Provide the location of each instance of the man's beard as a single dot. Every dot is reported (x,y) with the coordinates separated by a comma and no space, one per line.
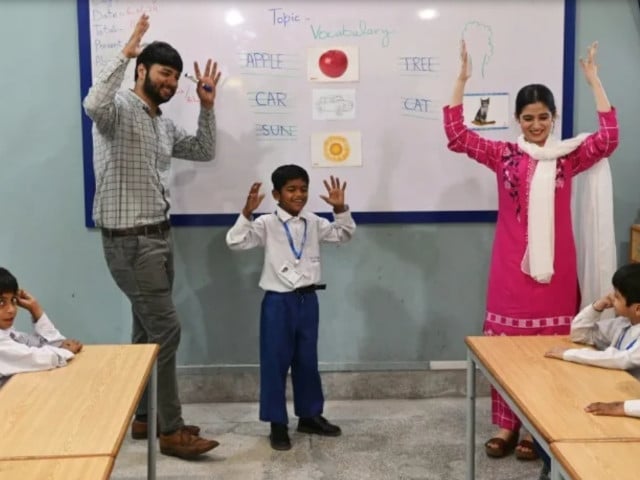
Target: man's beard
(152,91)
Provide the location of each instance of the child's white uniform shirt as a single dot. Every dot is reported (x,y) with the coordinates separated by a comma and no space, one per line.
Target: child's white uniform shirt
(619,338)
(28,352)
(632,408)
(269,231)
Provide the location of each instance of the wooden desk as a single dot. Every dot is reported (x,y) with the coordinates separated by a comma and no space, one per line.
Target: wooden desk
(78,468)
(83,409)
(599,460)
(548,395)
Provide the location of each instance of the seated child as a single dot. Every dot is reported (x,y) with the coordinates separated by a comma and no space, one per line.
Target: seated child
(616,340)
(289,315)
(20,352)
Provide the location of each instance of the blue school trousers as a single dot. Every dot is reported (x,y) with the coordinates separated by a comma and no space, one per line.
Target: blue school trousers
(289,338)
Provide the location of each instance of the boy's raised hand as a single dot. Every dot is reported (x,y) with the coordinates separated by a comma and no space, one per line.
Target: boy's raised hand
(29,302)
(253,200)
(335,196)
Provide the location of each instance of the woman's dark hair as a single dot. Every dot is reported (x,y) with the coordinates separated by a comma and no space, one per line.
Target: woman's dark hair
(532,94)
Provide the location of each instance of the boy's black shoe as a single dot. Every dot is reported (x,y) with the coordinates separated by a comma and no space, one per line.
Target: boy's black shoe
(279,437)
(318,425)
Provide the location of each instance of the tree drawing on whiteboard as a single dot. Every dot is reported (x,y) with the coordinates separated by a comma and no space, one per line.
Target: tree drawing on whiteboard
(479,39)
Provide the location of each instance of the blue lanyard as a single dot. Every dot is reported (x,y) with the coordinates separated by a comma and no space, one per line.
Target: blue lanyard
(619,342)
(296,253)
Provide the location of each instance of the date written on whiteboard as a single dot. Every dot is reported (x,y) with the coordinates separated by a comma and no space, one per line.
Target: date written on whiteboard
(281,18)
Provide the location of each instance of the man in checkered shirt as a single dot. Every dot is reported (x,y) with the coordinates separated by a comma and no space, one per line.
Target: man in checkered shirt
(133,147)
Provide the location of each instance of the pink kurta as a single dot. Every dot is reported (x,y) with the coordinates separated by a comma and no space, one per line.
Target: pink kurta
(517,304)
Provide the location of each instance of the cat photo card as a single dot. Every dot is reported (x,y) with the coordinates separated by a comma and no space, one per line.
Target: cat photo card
(486,111)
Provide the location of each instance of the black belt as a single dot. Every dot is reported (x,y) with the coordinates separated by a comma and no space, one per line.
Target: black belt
(310,288)
(139,230)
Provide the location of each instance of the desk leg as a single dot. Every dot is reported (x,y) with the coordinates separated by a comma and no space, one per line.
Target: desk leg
(555,470)
(471,418)
(152,422)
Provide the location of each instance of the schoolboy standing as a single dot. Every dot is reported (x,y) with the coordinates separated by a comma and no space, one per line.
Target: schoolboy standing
(289,313)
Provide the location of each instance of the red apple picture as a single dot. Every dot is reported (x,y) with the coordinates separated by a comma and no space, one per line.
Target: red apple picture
(333,63)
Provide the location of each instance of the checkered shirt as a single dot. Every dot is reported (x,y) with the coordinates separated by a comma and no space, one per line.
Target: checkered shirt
(132,151)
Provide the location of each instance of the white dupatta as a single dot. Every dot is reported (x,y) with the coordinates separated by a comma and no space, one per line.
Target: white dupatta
(593,199)
(594,232)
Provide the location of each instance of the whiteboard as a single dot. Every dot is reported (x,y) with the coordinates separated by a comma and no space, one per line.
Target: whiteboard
(279,101)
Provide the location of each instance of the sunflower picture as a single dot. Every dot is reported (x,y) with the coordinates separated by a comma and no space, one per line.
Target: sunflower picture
(336,149)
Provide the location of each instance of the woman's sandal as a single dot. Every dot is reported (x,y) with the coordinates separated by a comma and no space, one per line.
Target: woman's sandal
(497,447)
(525,450)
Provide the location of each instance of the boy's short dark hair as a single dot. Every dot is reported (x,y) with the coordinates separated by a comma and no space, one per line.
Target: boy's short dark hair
(627,281)
(8,283)
(160,53)
(285,173)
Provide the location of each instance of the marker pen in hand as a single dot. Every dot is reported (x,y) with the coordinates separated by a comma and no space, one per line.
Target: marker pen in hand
(206,87)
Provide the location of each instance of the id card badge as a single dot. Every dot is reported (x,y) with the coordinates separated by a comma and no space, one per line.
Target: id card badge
(289,275)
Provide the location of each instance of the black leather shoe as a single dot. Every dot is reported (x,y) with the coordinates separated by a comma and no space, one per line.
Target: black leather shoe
(318,425)
(279,437)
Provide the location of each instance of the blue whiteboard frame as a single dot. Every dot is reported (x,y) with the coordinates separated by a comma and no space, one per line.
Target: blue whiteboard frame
(218,219)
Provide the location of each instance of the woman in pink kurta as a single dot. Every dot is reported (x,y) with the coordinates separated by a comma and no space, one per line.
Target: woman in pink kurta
(518,304)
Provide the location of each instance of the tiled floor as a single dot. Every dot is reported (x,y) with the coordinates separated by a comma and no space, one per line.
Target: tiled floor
(382,439)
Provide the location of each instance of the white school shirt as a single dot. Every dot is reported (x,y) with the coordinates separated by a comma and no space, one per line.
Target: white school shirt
(29,352)
(632,408)
(618,339)
(268,231)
